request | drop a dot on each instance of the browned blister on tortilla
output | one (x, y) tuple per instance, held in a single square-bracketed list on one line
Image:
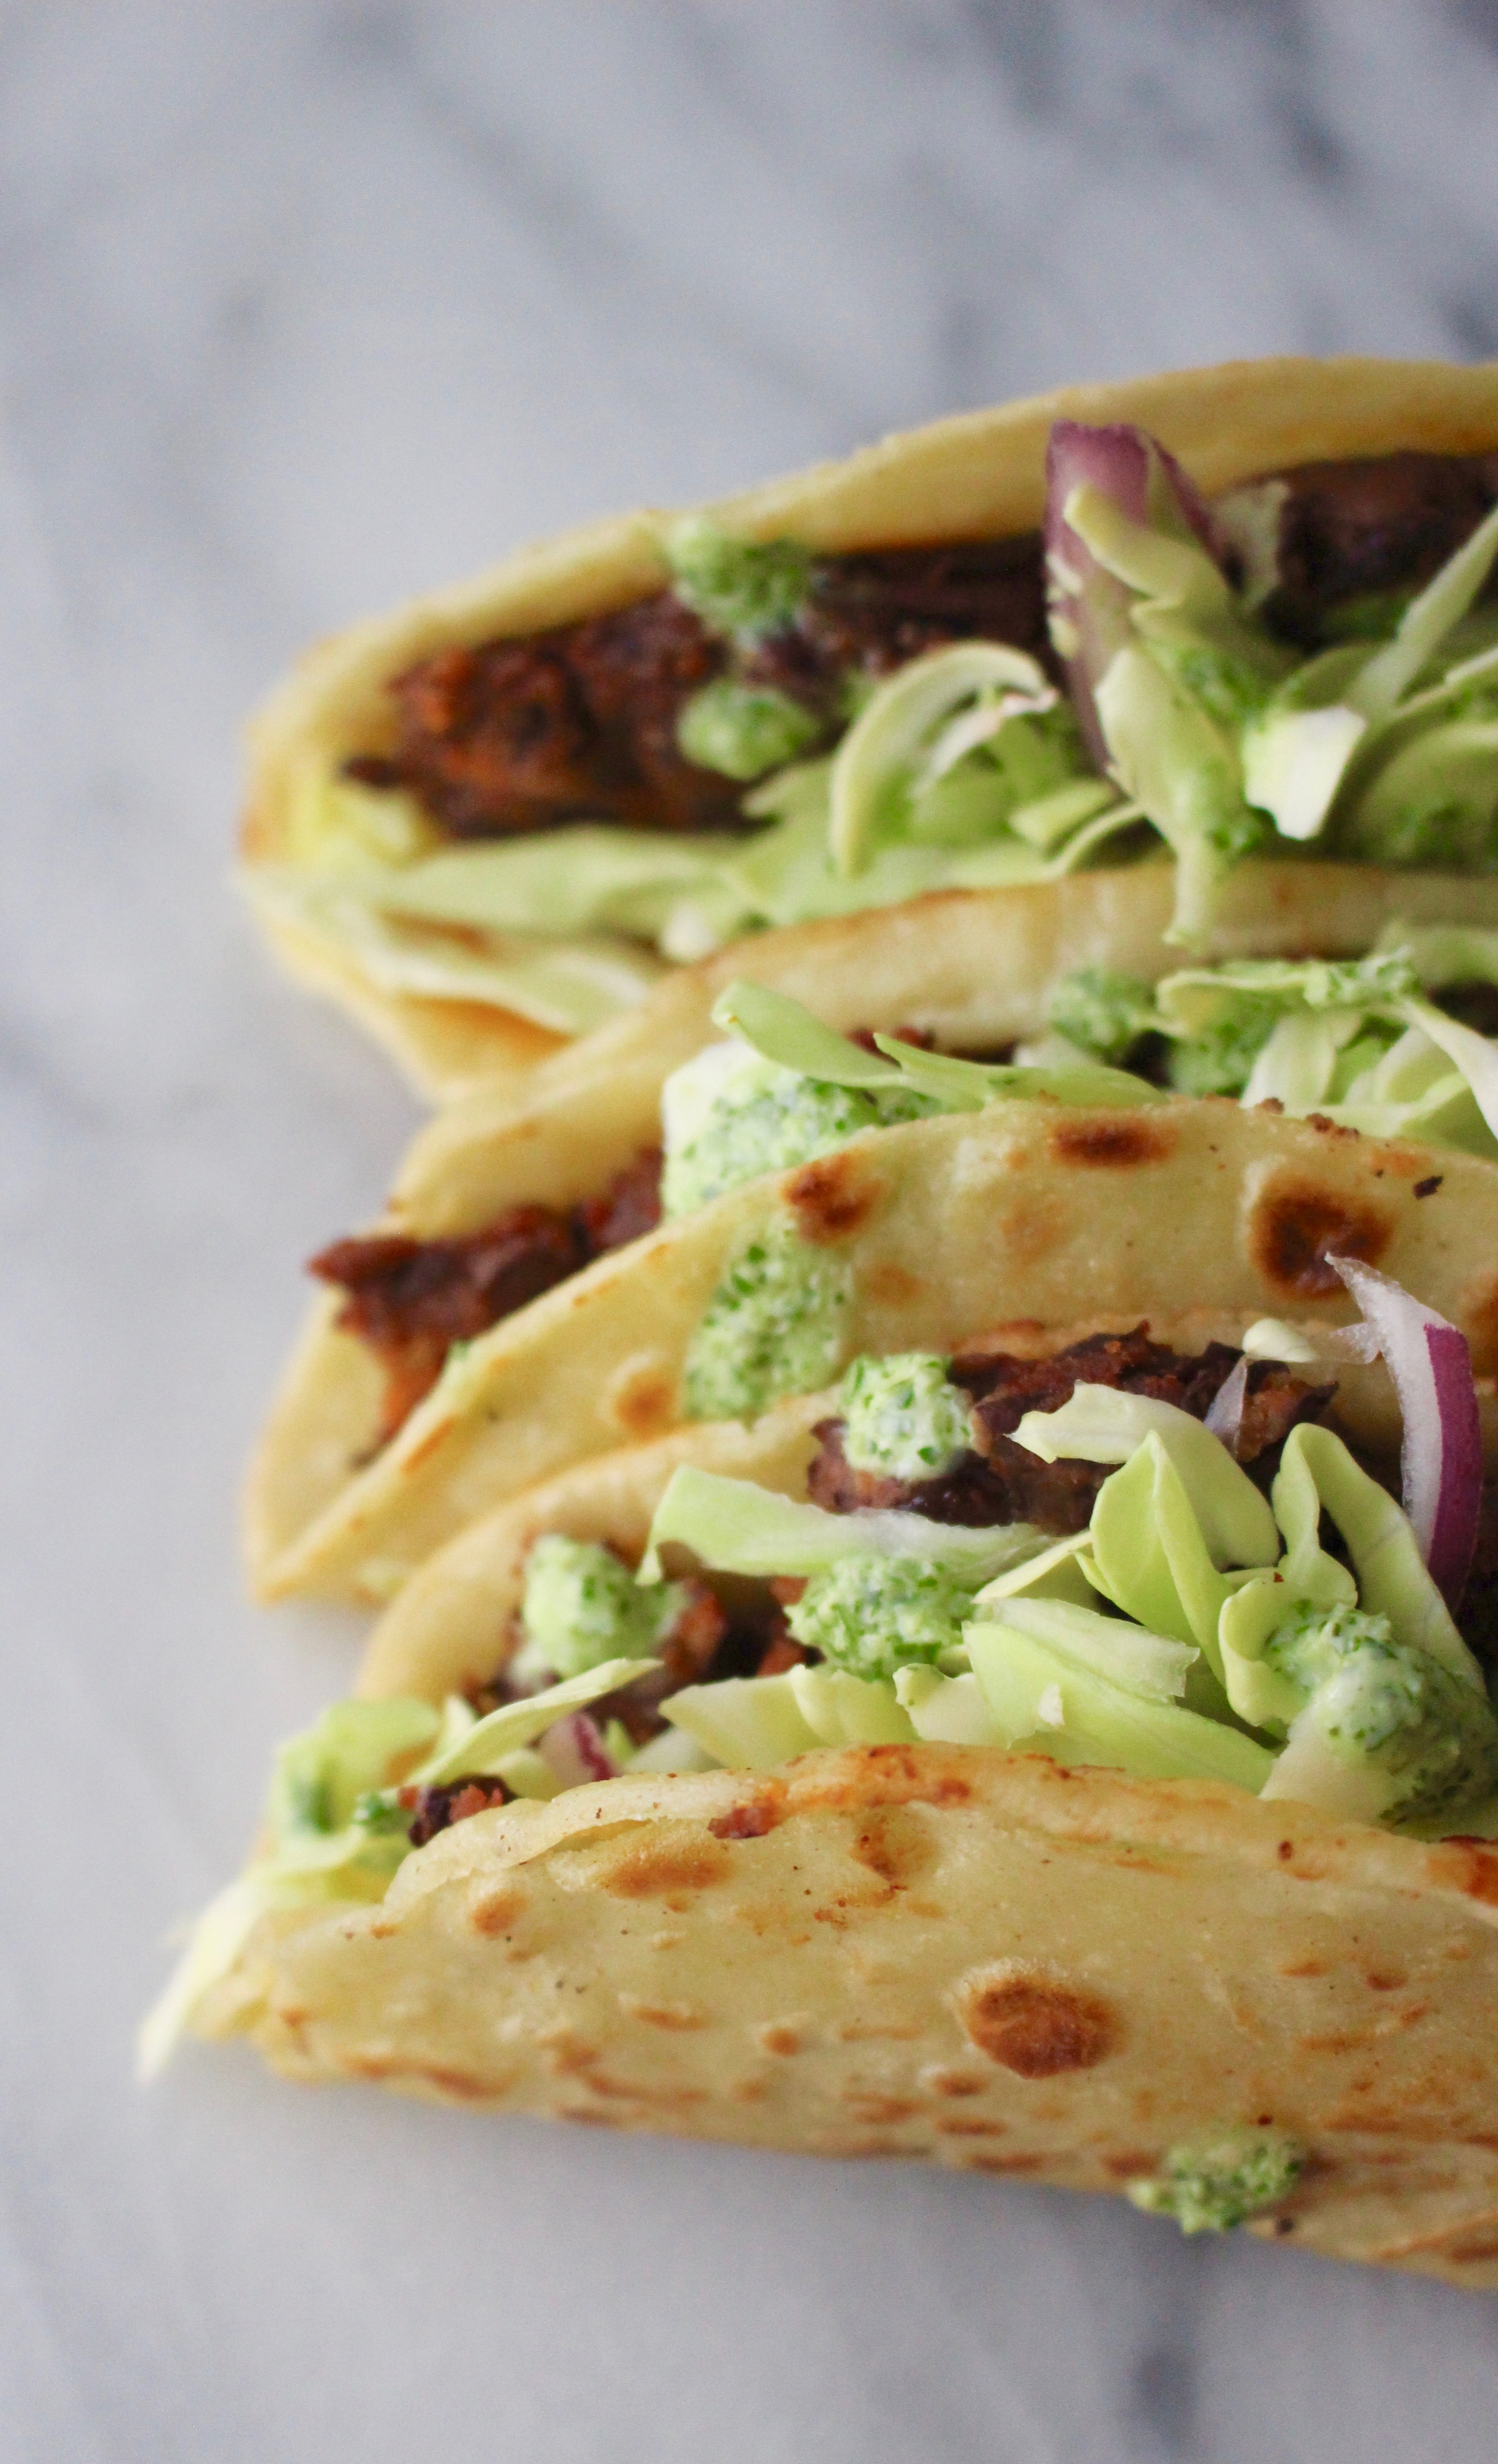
[(983, 1961), (1026, 1210), (979, 1960)]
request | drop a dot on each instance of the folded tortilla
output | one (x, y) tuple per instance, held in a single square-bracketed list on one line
[(930, 1230), (971, 969), (986, 1961), (979, 476)]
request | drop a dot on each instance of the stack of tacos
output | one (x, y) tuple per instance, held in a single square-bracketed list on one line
[(920, 1421)]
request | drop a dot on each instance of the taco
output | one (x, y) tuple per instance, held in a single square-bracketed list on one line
[(1069, 1764), (811, 1198), (491, 820)]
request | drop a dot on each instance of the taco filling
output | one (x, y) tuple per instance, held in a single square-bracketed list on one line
[(1399, 1045), (1308, 663), (1117, 1555)]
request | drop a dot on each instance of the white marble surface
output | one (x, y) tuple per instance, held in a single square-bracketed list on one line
[(301, 308)]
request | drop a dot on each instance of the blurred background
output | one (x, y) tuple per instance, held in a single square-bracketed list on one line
[(303, 308)]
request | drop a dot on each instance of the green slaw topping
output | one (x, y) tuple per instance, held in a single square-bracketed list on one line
[(963, 768), (1218, 2180), (902, 1417), (1360, 1041), (1291, 1646)]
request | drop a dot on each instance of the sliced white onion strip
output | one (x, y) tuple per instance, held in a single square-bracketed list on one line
[(1441, 1461), (1225, 1419)]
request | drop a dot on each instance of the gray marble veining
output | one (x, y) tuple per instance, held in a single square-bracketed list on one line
[(303, 308)]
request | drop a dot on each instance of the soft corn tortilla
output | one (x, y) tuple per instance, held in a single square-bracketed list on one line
[(915, 1950), (1024, 1211), (977, 477), (980, 1959)]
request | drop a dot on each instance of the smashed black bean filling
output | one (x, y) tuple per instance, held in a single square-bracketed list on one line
[(1369, 531), (1479, 1606), (438, 1809), (579, 722), (998, 1482), (411, 1300)]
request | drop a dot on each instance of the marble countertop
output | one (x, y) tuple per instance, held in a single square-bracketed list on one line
[(302, 309)]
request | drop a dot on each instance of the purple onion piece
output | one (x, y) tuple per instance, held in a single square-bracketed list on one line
[(1089, 606), (1225, 1419), (1453, 1534), (1441, 1461), (574, 1752)]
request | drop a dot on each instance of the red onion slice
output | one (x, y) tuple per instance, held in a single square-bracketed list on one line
[(1089, 606), (574, 1752), (1441, 1461)]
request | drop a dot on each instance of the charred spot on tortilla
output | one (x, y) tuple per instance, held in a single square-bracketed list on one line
[(1112, 1143), (1470, 1867), (496, 1911), (753, 1817), (641, 1400), (665, 1868), (895, 1843), (1294, 1226), (1034, 2023), (832, 1197), (676, 2017)]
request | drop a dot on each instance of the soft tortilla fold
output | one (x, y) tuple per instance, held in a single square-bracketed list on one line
[(984, 1960), (941, 1228), (974, 969), (977, 476)]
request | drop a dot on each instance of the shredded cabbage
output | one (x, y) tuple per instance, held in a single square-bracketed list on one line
[(737, 1528), (334, 1830), (782, 1031)]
